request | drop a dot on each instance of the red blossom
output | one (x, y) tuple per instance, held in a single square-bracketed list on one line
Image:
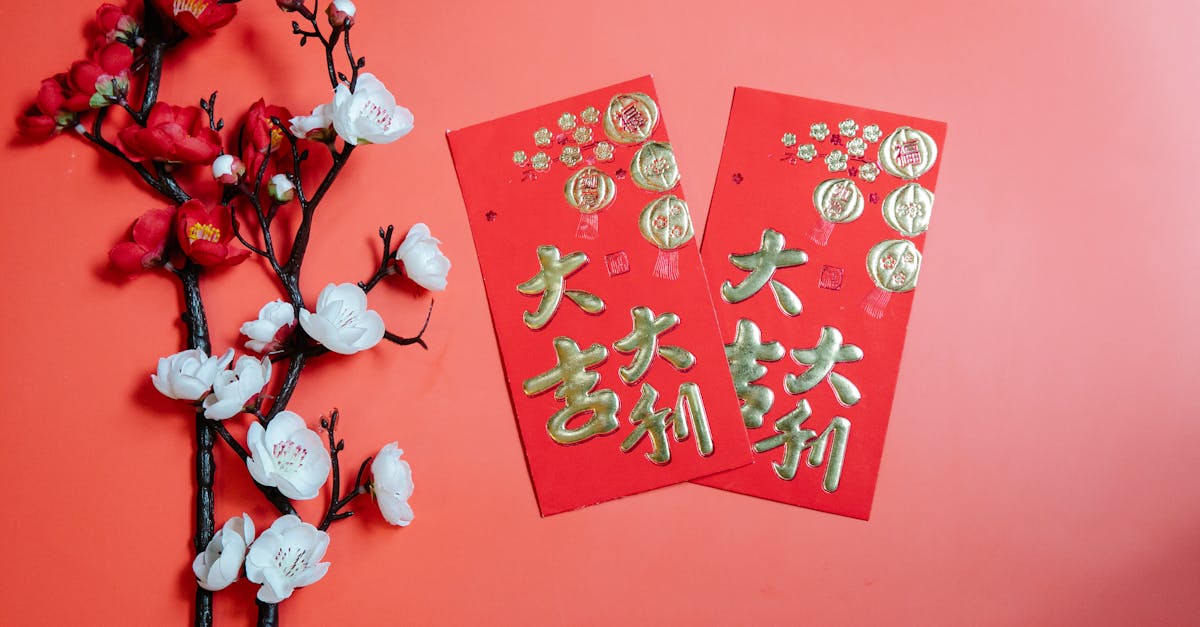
[(199, 18), (54, 109), (206, 234), (106, 73), (259, 136), (174, 134), (115, 23), (147, 245)]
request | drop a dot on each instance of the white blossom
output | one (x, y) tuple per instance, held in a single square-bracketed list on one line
[(188, 375), (342, 322), (263, 331), (233, 389), (392, 485), (285, 557), (221, 562), (423, 261), (287, 455), (369, 114)]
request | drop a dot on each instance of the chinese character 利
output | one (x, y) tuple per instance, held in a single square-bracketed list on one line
[(642, 341), (761, 265), (796, 440), (820, 360), (689, 409), (549, 283), (744, 355), (575, 387)]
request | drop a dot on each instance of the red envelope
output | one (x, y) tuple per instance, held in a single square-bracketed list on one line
[(813, 248), (607, 333)]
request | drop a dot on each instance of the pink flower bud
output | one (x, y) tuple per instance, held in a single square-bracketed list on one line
[(228, 169), (341, 13), (281, 188)]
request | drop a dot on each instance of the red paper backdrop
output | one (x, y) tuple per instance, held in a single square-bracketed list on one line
[(1044, 473)]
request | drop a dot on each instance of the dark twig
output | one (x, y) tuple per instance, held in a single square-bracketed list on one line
[(386, 267), (336, 501), (209, 106)]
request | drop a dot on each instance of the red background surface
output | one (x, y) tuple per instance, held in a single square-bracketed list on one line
[(1040, 466)]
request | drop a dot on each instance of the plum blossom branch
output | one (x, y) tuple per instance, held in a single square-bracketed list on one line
[(336, 501)]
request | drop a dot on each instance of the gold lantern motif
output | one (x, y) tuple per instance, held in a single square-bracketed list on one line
[(907, 209), (590, 190), (653, 167)]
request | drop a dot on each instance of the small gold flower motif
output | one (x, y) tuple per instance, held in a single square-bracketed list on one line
[(848, 128), (789, 139), (541, 162), (570, 156), (807, 152), (604, 151), (836, 161), (582, 135), (590, 115), (872, 133), (542, 137), (566, 121), (868, 172), (857, 147), (819, 131), (519, 157)]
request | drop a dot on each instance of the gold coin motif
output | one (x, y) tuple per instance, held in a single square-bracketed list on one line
[(630, 118), (907, 209), (907, 153), (653, 167), (590, 190), (894, 264), (666, 222), (838, 200)]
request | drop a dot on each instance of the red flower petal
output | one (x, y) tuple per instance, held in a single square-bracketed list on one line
[(127, 258), (152, 229), (115, 58)]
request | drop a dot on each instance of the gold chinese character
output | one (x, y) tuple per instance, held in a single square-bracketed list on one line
[(821, 359), (744, 355), (575, 384), (762, 265), (643, 343), (689, 409), (796, 440), (549, 283)]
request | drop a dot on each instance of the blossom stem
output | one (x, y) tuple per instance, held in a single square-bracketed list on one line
[(336, 501), (155, 28), (295, 367), (385, 261), (96, 136), (206, 468), (309, 208), (268, 614)]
